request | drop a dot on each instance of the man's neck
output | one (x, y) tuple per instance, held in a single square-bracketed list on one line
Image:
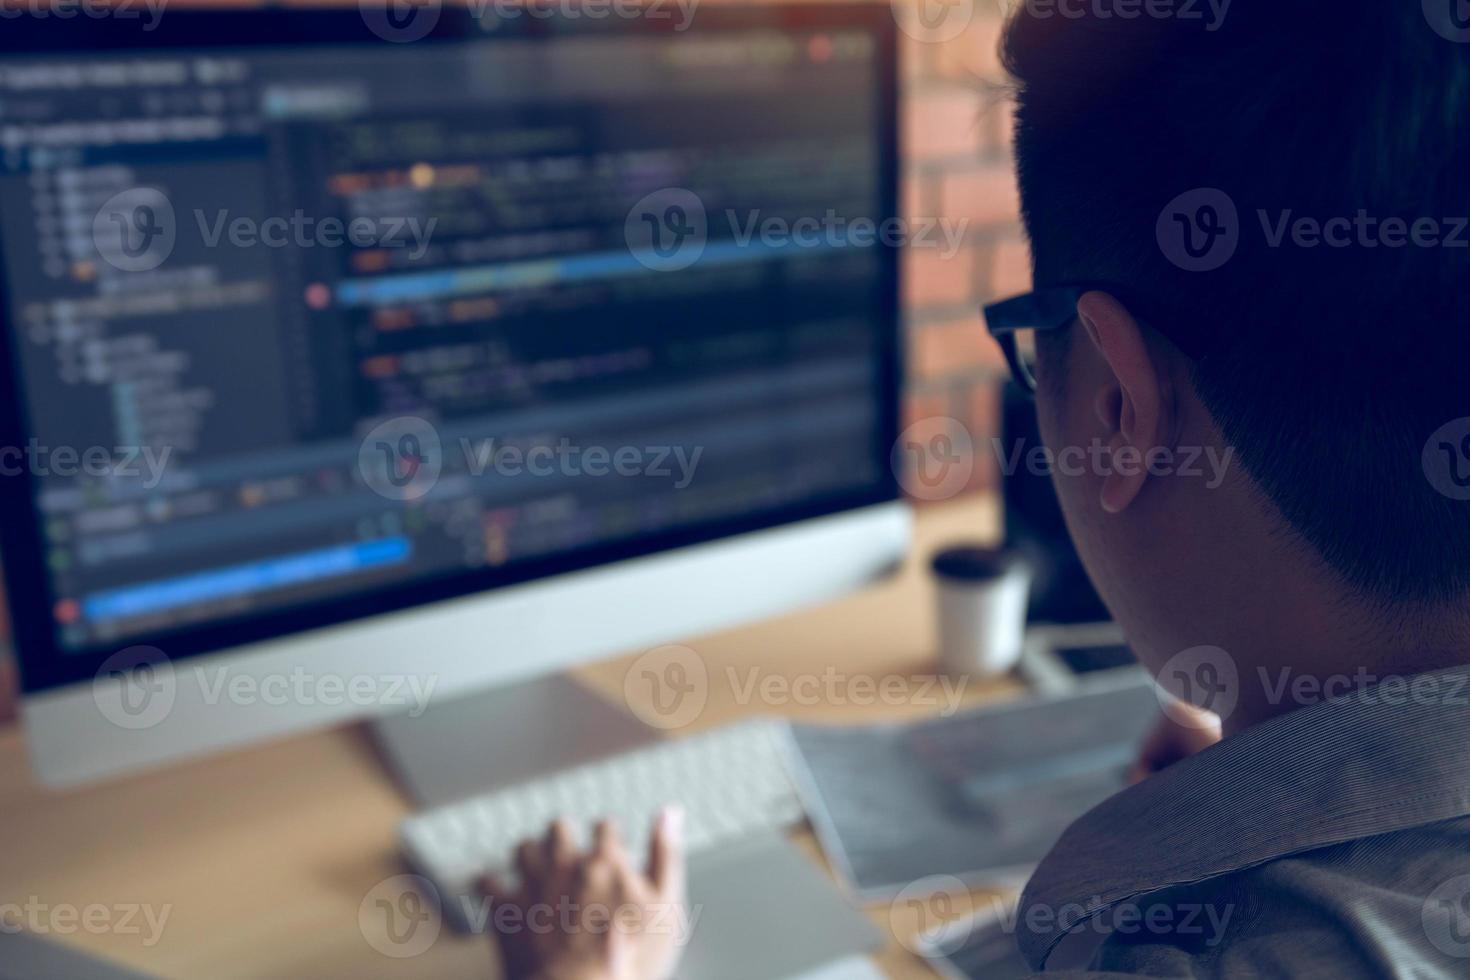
[(1269, 690)]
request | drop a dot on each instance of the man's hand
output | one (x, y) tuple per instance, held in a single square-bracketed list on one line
[(1171, 740), (593, 916)]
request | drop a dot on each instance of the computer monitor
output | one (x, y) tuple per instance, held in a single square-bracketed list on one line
[(333, 360)]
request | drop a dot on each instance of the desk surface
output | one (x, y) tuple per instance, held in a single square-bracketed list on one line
[(261, 857)]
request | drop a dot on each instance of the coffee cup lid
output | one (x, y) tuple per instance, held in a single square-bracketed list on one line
[(976, 563)]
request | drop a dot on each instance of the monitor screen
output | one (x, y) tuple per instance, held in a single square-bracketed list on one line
[(304, 325)]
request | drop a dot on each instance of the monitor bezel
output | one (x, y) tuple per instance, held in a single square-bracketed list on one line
[(45, 664)]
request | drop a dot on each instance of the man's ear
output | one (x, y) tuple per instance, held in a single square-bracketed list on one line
[(1133, 402)]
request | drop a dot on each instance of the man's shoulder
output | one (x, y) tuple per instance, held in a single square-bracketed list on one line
[(1340, 911)]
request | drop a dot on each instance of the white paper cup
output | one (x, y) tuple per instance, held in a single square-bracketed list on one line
[(982, 609)]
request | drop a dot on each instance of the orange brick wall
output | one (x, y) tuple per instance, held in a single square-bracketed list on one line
[(957, 166)]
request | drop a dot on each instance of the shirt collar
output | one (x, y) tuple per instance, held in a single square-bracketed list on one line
[(1383, 758)]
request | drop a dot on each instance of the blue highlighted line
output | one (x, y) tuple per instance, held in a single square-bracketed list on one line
[(411, 286), (235, 580)]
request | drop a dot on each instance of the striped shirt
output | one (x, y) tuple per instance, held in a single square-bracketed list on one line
[(1332, 841)]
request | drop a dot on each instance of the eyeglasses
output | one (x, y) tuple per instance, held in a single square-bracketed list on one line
[(1015, 322)]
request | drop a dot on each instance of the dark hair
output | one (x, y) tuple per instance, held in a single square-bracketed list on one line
[(1327, 368)]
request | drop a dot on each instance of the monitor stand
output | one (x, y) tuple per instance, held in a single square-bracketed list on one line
[(503, 735)]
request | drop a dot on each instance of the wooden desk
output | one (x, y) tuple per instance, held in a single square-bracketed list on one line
[(262, 856)]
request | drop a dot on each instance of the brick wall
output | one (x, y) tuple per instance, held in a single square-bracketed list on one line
[(957, 168)]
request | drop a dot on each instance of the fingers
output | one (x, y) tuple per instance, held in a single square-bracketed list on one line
[(530, 862), (666, 853), (561, 852), (605, 840), (556, 853)]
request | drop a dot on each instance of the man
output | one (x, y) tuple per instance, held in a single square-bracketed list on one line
[(1249, 238)]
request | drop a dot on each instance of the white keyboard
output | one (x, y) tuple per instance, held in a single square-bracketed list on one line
[(732, 782)]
